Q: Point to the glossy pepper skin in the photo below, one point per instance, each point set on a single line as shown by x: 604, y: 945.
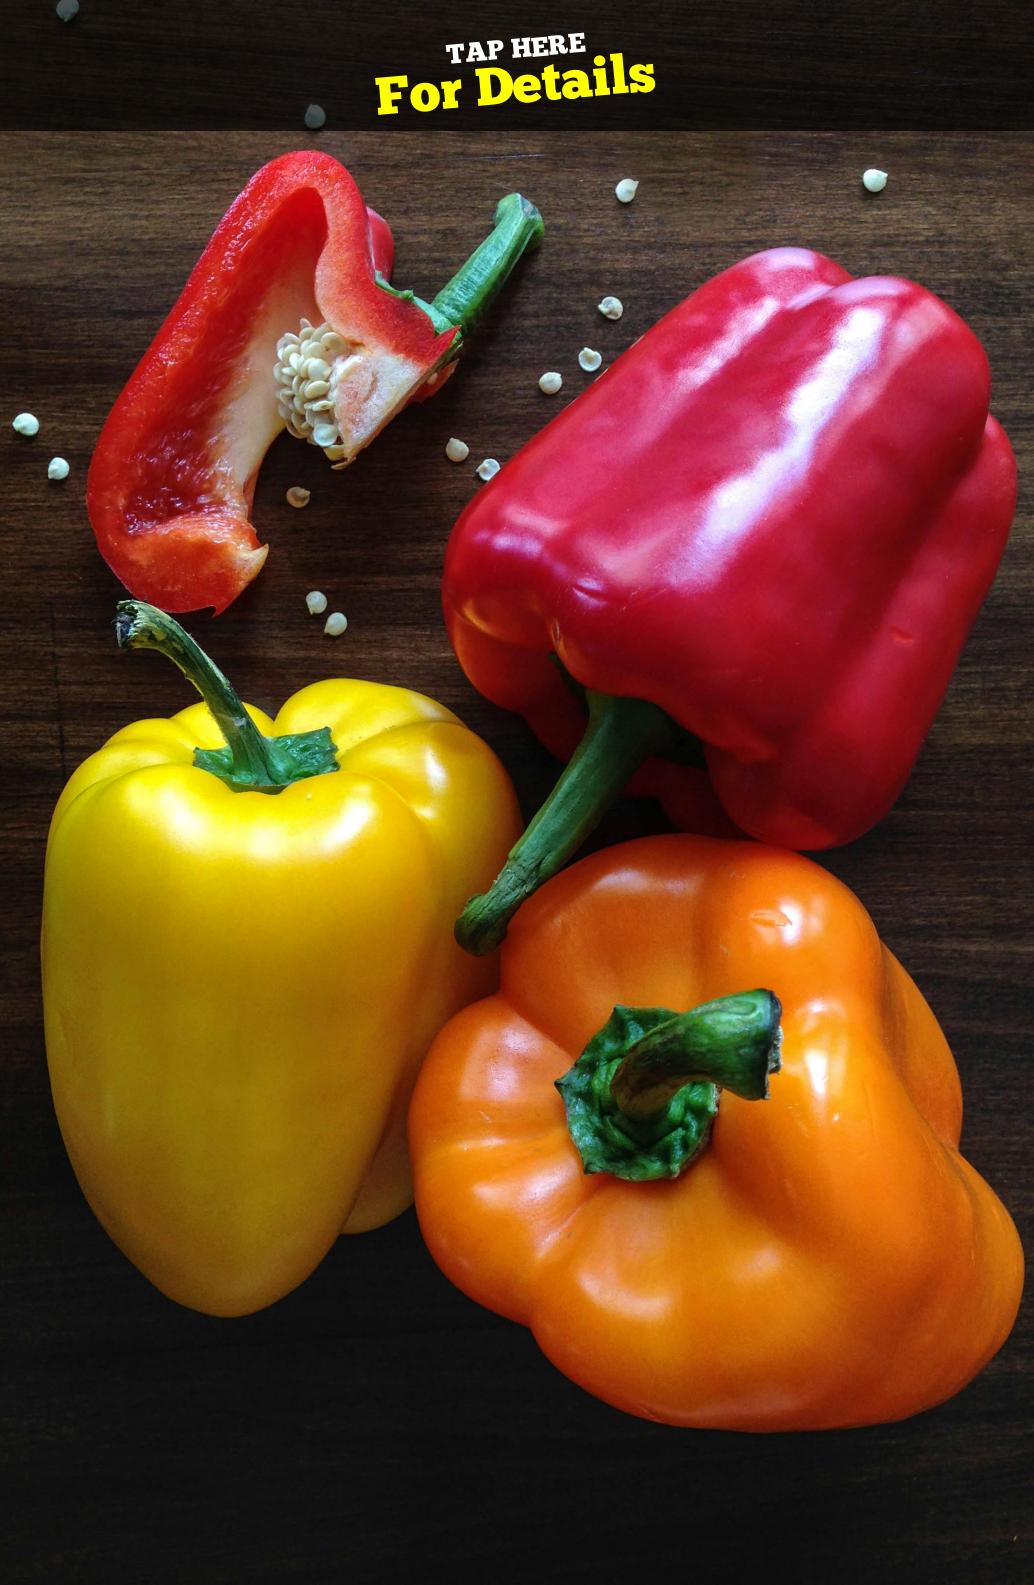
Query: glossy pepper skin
x: 829, y: 1259
x: 239, y: 987
x: 775, y: 516
x: 173, y: 475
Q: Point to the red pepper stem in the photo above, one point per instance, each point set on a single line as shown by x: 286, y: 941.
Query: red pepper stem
x: 620, y: 735
x: 463, y: 302
x: 465, y: 299
x: 250, y: 762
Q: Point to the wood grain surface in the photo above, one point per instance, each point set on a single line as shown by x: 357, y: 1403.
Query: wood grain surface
x: 375, y: 1426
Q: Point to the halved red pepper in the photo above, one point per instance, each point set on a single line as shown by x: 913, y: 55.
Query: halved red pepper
x: 287, y: 320
x: 767, y: 528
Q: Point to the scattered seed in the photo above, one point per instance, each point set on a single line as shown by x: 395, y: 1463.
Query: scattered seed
x: 57, y: 469
x: 874, y: 181
x: 298, y: 495
x: 316, y: 601
x: 67, y: 9
x: 626, y: 190
x: 551, y: 382
x: 589, y: 359
x: 487, y: 469
x: 457, y: 450
x: 315, y: 116
x: 25, y: 424
x: 335, y: 624
x: 611, y: 307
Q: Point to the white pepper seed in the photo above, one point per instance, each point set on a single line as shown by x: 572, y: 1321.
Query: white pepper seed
x: 457, y: 450
x: 67, y: 9
x: 611, y: 307
x: 626, y: 190
x: 335, y: 624
x: 58, y: 469
x: 316, y: 601
x: 874, y: 181
x: 315, y: 116
x: 589, y: 359
x: 550, y: 382
x: 487, y: 469
x: 25, y: 424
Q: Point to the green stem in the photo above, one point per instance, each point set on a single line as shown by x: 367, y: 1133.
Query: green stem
x: 728, y: 1042
x: 250, y: 761
x: 619, y: 736
x: 643, y: 1095
x: 465, y: 299
x: 463, y: 302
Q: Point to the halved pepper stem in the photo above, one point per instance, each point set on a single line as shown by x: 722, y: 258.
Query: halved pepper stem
x: 644, y: 1093
x: 619, y: 736
x: 250, y: 762
x: 464, y: 300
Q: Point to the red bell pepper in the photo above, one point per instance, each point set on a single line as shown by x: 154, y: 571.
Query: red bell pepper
x: 287, y: 319
x: 767, y: 528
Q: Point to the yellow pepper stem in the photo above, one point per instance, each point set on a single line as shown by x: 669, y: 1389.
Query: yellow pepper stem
x: 250, y: 762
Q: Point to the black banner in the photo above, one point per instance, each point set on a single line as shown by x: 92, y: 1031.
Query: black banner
x: 665, y: 64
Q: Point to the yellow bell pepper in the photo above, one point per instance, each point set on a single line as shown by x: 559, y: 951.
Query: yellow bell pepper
x: 247, y: 949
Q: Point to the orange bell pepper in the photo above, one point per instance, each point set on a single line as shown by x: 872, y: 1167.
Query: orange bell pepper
x: 823, y: 1257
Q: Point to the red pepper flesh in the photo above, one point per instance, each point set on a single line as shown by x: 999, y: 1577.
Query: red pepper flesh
x: 172, y: 478
x: 775, y: 517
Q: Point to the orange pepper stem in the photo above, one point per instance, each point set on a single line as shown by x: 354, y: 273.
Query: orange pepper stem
x: 643, y: 1095
x: 620, y: 735
x: 250, y: 762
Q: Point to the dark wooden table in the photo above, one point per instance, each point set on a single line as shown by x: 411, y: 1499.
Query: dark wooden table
x: 375, y: 1426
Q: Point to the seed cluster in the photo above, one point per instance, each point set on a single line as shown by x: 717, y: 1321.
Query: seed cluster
x: 304, y: 376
